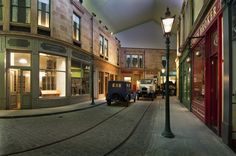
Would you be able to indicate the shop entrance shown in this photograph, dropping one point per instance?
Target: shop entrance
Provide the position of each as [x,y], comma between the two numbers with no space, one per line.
[214,94]
[19,89]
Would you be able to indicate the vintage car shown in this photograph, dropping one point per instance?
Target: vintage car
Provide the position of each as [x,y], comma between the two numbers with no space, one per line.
[120,91]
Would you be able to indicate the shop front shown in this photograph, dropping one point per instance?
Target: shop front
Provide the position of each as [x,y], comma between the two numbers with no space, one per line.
[185,78]
[207,69]
[40,73]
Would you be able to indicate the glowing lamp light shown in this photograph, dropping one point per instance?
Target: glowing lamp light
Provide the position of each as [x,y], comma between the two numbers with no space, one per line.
[163,70]
[23,61]
[167,22]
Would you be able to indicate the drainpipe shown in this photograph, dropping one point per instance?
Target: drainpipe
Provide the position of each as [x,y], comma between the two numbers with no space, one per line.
[92,67]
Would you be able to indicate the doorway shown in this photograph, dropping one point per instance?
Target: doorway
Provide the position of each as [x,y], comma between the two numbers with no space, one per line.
[214,105]
[19,81]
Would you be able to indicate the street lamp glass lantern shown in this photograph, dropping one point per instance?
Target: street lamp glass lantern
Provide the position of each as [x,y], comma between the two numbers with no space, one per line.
[167,22]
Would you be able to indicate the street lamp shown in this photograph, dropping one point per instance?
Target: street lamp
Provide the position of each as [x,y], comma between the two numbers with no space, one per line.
[167,23]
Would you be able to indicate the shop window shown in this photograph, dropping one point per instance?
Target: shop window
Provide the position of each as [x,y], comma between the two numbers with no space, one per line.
[116,77]
[20,11]
[198,73]
[111,77]
[140,61]
[101,82]
[128,79]
[52,75]
[1,11]
[20,59]
[79,78]
[44,13]
[76,27]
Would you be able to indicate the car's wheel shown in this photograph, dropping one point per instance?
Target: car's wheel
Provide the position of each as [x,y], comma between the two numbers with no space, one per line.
[108,102]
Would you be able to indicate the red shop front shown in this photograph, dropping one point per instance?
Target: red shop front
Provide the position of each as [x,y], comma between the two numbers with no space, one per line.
[207,69]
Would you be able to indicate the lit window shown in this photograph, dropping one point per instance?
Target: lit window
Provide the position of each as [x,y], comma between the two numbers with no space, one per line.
[44,13]
[76,27]
[20,59]
[52,76]
[79,78]
[106,47]
[101,82]
[20,11]
[101,45]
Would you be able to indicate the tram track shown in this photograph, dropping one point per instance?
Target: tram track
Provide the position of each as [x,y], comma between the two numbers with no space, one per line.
[66,138]
[130,134]
[85,131]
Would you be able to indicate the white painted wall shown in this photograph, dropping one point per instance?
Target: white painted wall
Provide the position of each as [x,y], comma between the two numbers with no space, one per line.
[147,35]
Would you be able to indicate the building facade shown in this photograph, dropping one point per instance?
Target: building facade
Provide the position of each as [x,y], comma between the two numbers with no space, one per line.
[47,49]
[143,63]
[211,63]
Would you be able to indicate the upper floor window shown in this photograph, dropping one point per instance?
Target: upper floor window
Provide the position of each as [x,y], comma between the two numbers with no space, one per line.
[76,27]
[20,11]
[118,57]
[44,13]
[103,44]
[134,61]
[106,47]
[1,11]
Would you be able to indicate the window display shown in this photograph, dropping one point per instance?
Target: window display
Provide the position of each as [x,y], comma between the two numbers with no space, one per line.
[52,75]
[198,73]
[79,78]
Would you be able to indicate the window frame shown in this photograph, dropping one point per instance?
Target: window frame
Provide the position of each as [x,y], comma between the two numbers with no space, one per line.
[49,13]
[78,29]
[11,12]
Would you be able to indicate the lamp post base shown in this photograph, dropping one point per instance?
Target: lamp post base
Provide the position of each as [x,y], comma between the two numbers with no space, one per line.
[167,134]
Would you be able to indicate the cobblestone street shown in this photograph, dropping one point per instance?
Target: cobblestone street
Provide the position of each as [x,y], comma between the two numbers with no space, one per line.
[111,130]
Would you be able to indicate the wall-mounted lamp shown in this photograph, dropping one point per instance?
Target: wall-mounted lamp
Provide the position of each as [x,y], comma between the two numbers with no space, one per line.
[188,60]
[198,53]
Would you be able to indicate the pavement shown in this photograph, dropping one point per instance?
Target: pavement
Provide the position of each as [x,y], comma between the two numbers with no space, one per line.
[111,130]
[49,111]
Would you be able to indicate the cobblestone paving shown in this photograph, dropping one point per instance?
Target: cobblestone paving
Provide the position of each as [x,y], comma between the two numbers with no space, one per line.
[192,137]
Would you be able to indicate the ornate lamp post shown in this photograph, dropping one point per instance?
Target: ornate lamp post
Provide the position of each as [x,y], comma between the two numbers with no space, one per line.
[167,23]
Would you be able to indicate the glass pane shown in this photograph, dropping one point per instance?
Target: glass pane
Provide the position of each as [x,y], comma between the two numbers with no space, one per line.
[14,82]
[52,83]
[26,82]
[14,14]
[85,80]
[44,5]
[134,60]
[43,19]
[52,62]
[20,59]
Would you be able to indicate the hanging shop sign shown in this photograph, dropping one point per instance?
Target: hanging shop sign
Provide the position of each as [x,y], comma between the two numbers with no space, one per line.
[208,20]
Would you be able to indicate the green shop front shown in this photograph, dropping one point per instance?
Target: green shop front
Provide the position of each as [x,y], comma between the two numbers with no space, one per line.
[38,73]
[185,78]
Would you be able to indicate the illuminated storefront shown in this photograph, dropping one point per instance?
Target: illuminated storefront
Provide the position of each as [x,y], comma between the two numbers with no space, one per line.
[42,74]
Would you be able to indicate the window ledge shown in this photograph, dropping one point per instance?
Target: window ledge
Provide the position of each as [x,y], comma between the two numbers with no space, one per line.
[20,24]
[78,43]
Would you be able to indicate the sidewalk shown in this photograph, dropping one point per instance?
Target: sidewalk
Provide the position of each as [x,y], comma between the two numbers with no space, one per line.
[49,111]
